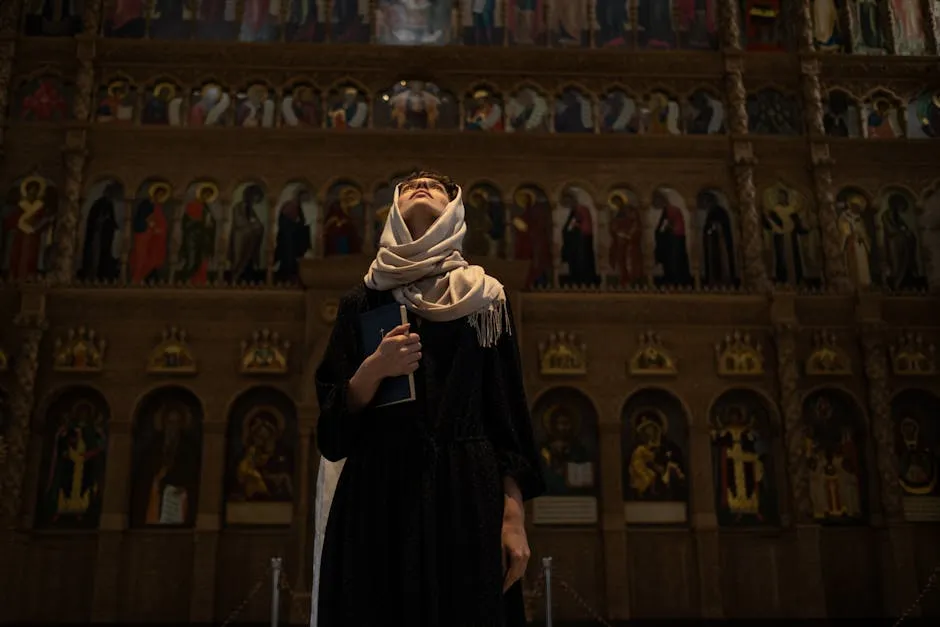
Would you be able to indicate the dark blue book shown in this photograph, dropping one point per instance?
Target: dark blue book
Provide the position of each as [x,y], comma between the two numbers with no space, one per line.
[373,325]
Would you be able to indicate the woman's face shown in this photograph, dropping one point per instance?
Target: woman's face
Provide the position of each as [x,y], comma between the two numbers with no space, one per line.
[422,198]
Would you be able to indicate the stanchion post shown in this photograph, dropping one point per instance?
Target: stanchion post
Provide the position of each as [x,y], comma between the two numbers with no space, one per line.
[276,564]
[547,570]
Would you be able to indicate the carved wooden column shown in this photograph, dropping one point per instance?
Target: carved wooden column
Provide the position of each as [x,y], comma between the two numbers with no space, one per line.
[208,523]
[899,570]
[613,527]
[809,594]
[754,272]
[9,27]
[704,520]
[75,151]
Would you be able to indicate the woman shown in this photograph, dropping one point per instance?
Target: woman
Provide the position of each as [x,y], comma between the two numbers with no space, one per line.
[427,523]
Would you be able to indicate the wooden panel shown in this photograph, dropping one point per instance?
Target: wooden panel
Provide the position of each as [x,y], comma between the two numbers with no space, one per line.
[851,571]
[59,576]
[158,567]
[750,582]
[662,574]
[927,558]
[244,557]
[578,560]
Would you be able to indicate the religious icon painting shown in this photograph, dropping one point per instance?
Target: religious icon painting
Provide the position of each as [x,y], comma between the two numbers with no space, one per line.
[532,235]
[670,223]
[574,112]
[117,102]
[827,25]
[260,459]
[698,24]
[344,220]
[247,236]
[305,21]
[909,33]
[255,107]
[260,21]
[216,21]
[857,237]
[565,428]
[923,116]
[53,18]
[382,199]
[619,113]
[655,472]
[656,24]
[883,118]
[163,105]
[302,106]
[75,452]
[867,20]
[897,233]
[575,225]
[101,232]
[835,452]
[841,117]
[171,19]
[126,20]
[661,115]
[568,26]
[917,446]
[295,230]
[704,114]
[417,105]
[209,106]
[484,110]
[413,22]
[718,263]
[152,220]
[349,21]
[347,107]
[198,233]
[486,222]
[527,111]
[771,112]
[624,239]
[526,22]
[482,22]
[45,98]
[166,459]
[791,237]
[765,24]
[743,460]
[27,224]
[612,27]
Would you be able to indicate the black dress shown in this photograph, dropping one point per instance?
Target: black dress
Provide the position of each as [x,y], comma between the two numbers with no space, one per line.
[414,533]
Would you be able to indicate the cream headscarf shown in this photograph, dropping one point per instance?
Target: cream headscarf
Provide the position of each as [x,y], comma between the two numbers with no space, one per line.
[430,277]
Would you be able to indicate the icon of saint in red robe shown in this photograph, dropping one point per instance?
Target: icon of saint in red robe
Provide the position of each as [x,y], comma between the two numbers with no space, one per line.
[148,255]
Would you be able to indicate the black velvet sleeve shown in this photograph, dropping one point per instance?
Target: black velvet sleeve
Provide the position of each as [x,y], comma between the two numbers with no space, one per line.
[506,414]
[338,429]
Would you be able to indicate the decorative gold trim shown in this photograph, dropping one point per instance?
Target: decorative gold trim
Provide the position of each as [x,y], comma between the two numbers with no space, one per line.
[82,350]
[912,356]
[172,354]
[739,355]
[265,353]
[562,354]
[827,358]
[652,358]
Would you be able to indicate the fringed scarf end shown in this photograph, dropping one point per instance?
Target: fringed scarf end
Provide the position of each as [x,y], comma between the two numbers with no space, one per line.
[490,323]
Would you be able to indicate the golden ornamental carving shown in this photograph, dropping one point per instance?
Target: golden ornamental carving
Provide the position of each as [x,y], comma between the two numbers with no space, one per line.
[172,354]
[4,361]
[827,358]
[81,350]
[264,353]
[328,310]
[562,354]
[652,358]
[739,355]
[912,356]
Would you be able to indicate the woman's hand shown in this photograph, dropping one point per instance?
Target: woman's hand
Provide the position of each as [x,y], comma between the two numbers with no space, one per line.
[398,354]
[516,551]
